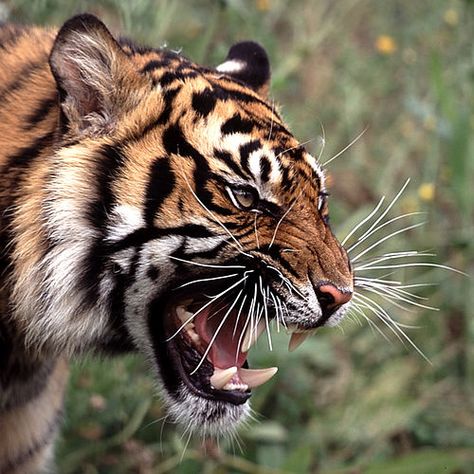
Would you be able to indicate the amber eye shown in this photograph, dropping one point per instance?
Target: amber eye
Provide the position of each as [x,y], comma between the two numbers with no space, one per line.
[243,198]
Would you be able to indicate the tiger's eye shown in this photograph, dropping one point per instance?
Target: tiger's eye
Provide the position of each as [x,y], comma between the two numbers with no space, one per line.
[246,199]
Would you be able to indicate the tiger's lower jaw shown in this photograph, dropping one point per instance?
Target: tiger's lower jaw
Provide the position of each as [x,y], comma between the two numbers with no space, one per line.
[203,366]
[206,417]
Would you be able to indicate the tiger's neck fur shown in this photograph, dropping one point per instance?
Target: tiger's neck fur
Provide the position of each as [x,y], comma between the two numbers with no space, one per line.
[31,386]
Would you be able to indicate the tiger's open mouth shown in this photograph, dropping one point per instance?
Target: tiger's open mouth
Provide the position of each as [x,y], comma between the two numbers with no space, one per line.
[208,345]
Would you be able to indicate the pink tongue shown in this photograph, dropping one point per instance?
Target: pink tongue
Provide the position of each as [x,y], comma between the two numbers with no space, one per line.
[225,351]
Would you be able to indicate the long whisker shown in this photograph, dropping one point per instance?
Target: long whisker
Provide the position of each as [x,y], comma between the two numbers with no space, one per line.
[391,323]
[344,149]
[387,237]
[238,316]
[277,312]
[386,211]
[291,287]
[256,230]
[216,219]
[265,307]
[377,229]
[391,294]
[206,279]
[248,320]
[281,220]
[294,147]
[206,265]
[356,307]
[214,337]
[386,257]
[215,298]
[363,221]
[323,141]
[411,265]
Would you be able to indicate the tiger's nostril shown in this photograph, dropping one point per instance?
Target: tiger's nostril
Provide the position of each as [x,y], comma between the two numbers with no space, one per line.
[331,298]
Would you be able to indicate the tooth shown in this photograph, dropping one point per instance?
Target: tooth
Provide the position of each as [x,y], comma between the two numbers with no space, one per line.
[221,377]
[256,377]
[291,328]
[182,314]
[296,339]
[251,336]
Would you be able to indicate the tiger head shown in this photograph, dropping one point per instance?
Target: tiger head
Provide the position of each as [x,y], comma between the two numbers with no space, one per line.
[185,217]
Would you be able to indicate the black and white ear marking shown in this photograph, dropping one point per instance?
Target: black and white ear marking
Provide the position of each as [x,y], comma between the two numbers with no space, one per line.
[248,62]
[89,67]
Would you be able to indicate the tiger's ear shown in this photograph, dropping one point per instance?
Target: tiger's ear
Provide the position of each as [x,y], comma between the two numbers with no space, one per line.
[248,62]
[95,79]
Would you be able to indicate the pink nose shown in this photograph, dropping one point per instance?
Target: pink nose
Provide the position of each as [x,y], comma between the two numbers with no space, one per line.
[331,298]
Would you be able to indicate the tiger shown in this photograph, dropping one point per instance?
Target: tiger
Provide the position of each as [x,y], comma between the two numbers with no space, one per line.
[149,204]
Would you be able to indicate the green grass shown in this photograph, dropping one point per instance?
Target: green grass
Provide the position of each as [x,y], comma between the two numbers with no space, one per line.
[347,401]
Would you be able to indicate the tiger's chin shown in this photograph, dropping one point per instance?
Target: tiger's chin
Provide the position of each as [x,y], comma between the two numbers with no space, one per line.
[201,352]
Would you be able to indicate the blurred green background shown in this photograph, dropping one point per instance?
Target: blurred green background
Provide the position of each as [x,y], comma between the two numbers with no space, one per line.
[349,400]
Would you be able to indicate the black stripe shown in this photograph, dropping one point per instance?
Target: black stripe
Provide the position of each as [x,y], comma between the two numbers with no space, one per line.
[41,112]
[237,124]
[143,235]
[175,143]
[168,98]
[109,162]
[231,94]
[160,185]
[228,160]
[24,157]
[245,150]
[9,35]
[12,172]
[169,77]
[25,455]
[265,168]
[118,338]
[20,79]
[203,102]
[155,64]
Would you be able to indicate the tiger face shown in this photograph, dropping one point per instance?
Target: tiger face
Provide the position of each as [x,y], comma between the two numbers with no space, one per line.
[183,219]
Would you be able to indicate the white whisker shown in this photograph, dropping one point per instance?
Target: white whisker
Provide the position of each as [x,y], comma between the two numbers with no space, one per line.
[386,211]
[206,265]
[294,147]
[410,265]
[362,222]
[206,279]
[217,220]
[386,257]
[281,220]
[387,237]
[214,337]
[390,322]
[238,316]
[204,307]
[344,149]
[377,229]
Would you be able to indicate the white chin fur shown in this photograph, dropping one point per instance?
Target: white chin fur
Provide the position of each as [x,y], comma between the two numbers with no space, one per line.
[206,417]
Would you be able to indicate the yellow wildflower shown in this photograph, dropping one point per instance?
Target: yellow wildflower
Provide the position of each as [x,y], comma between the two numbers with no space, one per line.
[385,44]
[426,192]
[263,5]
[451,17]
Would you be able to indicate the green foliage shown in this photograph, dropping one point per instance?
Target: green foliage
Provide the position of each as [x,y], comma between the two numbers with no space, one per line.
[345,402]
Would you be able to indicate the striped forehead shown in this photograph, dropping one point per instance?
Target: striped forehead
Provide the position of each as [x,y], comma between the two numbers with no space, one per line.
[244,125]
[269,168]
